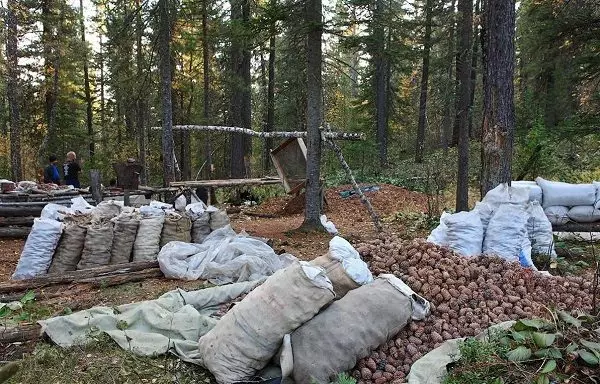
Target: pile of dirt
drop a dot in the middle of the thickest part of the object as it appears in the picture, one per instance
(9, 257)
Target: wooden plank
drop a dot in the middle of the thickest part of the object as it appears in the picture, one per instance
(26, 221)
(20, 334)
(76, 276)
(577, 227)
(273, 134)
(226, 183)
(20, 211)
(14, 232)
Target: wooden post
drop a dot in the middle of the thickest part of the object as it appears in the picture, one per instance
(95, 185)
(126, 197)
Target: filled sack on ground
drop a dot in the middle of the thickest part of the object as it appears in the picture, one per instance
(557, 215)
(535, 191)
(201, 228)
(177, 227)
(506, 232)
(505, 194)
(70, 247)
(107, 209)
(539, 230)
(147, 240)
(485, 212)
(38, 250)
(439, 235)
(250, 334)
(566, 194)
(218, 219)
(126, 226)
(584, 214)
(465, 233)
(346, 331)
(345, 275)
(97, 246)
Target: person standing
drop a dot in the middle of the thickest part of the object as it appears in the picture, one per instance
(71, 170)
(51, 171)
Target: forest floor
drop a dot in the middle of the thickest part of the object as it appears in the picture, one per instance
(404, 214)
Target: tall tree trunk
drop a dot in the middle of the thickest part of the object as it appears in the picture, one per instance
(448, 112)
(270, 123)
(206, 90)
(13, 89)
(140, 103)
(498, 96)
(472, 133)
(86, 84)
(167, 106)
(424, 84)
(465, 14)
(381, 82)
(314, 114)
(51, 71)
(240, 93)
(102, 101)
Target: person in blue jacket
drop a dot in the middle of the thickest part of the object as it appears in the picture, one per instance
(51, 171)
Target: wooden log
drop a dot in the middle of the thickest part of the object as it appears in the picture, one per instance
(108, 281)
(273, 134)
(20, 334)
(226, 182)
(95, 185)
(26, 221)
(75, 276)
(14, 232)
(20, 211)
(577, 227)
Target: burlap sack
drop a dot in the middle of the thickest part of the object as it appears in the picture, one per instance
(342, 282)
(147, 240)
(70, 247)
(347, 330)
(201, 228)
(97, 246)
(177, 227)
(249, 335)
(218, 219)
(126, 226)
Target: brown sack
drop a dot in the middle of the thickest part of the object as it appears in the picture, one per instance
(347, 330)
(177, 227)
(250, 334)
(69, 249)
(126, 226)
(342, 282)
(97, 246)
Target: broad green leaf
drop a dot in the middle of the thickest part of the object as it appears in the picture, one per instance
(553, 353)
(567, 318)
(520, 353)
(528, 324)
(520, 337)
(28, 297)
(592, 346)
(4, 311)
(549, 366)
(543, 339)
(572, 347)
(504, 340)
(543, 379)
(588, 357)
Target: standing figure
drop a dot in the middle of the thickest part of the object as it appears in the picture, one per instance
(71, 169)
(51, 171)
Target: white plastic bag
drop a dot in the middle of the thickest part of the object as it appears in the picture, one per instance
(584, 214)
(439, 235)
(525, 254)
(503, 194)
(485, 211)
(79, 205)
(195, 209)
(39, 249)
(465, 233)
(557, 215)
(535, 191)
(506, 232)
(539, 230)
(565, 194)
(597, 186)
(358, 270)
(340, 249)
(53, 211)
(329, 226)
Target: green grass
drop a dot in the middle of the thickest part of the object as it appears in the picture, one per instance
(103, 362)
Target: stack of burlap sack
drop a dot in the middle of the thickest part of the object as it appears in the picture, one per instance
(81, 237)
(314, 320)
